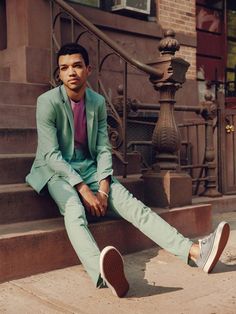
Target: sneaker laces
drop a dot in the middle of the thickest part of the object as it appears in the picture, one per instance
(204, 240)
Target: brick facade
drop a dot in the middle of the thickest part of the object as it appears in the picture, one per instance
(180, 15)
(188, 54)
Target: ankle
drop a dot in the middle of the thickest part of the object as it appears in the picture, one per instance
(194, 252)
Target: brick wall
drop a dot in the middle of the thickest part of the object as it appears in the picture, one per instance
(188, 54)
(180, 16)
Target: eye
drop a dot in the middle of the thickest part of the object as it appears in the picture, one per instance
(78, 66)
(63, 68)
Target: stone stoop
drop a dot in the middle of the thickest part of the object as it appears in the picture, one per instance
(5, 73)
(19, 202)
(18, 140)
(33, 247)
(222, 204)
(15, 116)
(21, 93)
(32, 234)
(15, 166)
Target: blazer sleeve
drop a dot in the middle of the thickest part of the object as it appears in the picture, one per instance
(104, 156)
(48, 145)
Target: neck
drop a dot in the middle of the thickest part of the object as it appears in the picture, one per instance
(75, 95)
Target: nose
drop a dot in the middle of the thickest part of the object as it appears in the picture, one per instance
(71, 71)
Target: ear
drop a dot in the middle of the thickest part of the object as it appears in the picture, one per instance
(89, 69)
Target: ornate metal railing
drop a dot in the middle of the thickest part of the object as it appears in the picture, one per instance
(198, 157)
(166, 75)
(117, 125)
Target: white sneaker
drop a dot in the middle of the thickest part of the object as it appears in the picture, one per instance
(212, 247)
(112, 271)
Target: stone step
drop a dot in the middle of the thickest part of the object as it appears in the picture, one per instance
(33, 247)
(14, 116)
(18, 140)
(21, 93)
(134, 160)
(221, 204)
(19, 202)
(5, 73)
(14, 167)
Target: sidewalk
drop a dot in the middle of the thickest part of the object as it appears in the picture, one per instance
(160, 283)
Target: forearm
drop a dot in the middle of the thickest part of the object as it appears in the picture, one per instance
(61, 167)
(104, 185)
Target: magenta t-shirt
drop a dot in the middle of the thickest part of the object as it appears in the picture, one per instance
(80, 124)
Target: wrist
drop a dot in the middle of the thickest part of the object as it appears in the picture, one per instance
(81, 187)
(104, 185)
(103, 193)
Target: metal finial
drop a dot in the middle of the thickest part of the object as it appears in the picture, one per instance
(169, 44)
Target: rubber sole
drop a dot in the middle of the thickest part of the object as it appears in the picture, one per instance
(112, 271)
(221, 239)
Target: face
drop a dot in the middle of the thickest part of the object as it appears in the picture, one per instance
(73, 72)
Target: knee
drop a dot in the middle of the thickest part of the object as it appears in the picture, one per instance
(75, 212)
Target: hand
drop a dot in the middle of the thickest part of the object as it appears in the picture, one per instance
(91, 202)
(103, 200)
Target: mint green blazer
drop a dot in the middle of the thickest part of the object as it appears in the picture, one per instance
(55, 127)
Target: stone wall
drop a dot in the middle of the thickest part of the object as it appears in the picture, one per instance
(27, 54)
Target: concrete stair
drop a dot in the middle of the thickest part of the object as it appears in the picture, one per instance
(21, 93)
(19, 202)
(4, 73)
(32, 234)
(18, 140)
(38, 246)
(15, 116)
(15, 167)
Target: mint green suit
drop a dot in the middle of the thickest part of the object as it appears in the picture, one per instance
(59, 166)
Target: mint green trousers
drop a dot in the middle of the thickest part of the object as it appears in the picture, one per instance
(122, 203)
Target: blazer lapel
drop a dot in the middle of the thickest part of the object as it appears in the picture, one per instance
(89, 106)
(67, 105)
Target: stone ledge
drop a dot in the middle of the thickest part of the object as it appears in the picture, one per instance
(39, 246)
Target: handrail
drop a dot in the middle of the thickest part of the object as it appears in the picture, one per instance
(111, 43)
(147, 106)
(167, 146)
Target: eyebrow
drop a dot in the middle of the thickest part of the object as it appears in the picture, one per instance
(76, 62)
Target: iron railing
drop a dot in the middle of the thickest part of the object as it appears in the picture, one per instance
(193, 152)
(159, 76)
(64, 11)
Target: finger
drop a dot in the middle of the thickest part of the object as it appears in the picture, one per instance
(90, 209)
(93, 211)
(103, 202)
(99, 210)
(104, 209)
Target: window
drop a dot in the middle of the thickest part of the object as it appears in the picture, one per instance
(231, 50)
(140, 6)
(91, 3)
(140, 9)
(3, 25)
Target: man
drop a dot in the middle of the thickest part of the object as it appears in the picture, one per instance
(73, 161)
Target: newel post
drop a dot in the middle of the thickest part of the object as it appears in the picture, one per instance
(165, 185)
(209, 112)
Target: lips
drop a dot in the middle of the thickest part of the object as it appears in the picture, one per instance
(73, 81)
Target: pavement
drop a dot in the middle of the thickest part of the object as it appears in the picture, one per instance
(159, 283)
